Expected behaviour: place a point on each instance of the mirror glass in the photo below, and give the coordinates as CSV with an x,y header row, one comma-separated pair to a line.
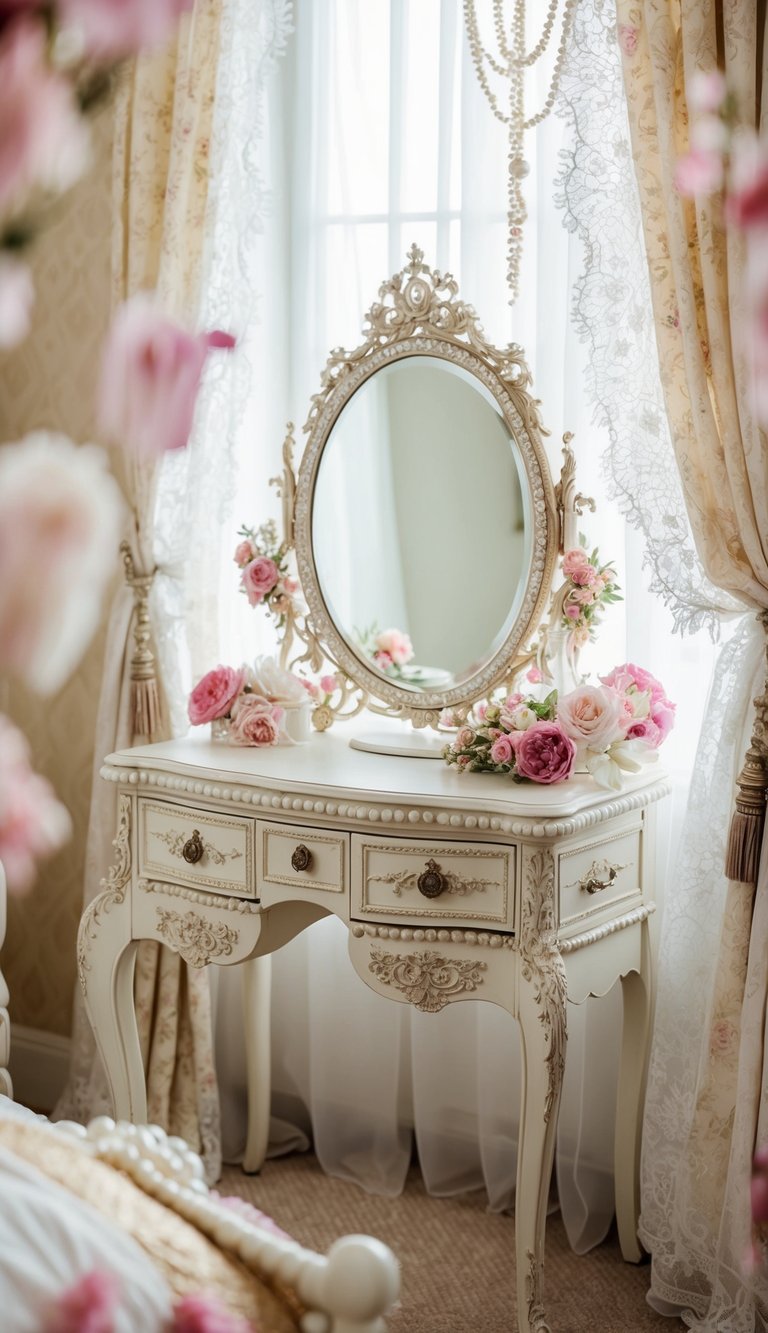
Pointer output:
x,y
421,529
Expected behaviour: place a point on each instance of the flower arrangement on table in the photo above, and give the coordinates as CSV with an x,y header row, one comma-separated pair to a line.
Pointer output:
x,y
265,578
255,704
610,728
389,649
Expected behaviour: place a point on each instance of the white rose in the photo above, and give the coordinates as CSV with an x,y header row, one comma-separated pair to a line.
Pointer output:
x,y
522,717
278,686
591,716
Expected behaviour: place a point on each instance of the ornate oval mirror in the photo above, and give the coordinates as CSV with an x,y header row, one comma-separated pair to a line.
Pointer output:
x,y
426,528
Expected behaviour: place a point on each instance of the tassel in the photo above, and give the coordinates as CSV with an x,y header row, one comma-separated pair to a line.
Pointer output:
x,y
145,695
745,836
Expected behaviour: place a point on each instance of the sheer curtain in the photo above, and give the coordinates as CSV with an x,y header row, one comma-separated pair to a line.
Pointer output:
x,y
378,136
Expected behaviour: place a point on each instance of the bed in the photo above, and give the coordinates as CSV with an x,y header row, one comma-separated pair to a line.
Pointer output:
x,y
130,1202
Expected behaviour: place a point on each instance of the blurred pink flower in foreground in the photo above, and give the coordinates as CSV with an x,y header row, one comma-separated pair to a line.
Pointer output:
x,y
17,294
60,515
150,376
206,1314
86,1307
43,138
122,27
33,823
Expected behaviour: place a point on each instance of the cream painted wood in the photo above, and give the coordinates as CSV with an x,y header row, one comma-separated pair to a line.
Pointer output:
x,y
564,927
6,1087
172,836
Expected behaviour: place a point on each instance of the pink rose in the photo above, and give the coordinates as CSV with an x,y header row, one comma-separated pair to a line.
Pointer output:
x,y
699,172
244,553
113,28
88,1306
259,578
585,576
627,38
502,750
645,729
574,560
43,138
328,684
33,823
585,596
572,611
396,644
291,586
150,375
383,661
17,294
591,716
721,1036
464,738
544,753
255,721
214,695
533,675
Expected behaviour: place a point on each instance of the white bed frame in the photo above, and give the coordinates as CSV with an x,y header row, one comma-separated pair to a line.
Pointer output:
x,y
349,1290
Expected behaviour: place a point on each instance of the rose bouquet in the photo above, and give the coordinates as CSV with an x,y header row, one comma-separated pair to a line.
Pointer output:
x,y
588,588
608,729
257,702
265,577
389,649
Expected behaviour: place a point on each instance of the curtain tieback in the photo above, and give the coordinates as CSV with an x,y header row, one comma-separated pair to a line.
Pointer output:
x,y
145,696
742,858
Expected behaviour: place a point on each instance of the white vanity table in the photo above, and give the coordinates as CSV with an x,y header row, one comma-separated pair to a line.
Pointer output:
x,y
452,888
424,492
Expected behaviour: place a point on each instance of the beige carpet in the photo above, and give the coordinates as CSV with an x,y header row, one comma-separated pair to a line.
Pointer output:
x,y
457,1259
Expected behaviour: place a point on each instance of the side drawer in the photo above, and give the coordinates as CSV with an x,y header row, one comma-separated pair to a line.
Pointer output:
x,y
291,857
442,882
601,874
226,863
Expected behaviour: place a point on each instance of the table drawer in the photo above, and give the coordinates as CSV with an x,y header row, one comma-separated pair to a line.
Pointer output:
x,y
438,882
305,858
224,845
603,873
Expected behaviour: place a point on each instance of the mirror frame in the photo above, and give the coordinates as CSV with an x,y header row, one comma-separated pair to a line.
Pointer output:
x,y
419,313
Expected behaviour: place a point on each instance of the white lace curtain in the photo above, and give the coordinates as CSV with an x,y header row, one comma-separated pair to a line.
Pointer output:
x,y
375,135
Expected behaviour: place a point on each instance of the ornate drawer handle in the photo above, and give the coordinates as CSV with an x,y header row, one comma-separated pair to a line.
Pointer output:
x,y
432,882
592,883
301,858
193,848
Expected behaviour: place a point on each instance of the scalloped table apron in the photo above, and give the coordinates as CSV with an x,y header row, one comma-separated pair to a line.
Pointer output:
x,y
453,887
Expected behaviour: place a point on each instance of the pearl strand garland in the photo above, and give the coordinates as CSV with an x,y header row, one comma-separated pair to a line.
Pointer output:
x,y
512,65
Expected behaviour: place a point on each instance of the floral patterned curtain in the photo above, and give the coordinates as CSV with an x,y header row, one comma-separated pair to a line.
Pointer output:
x,y
706,1106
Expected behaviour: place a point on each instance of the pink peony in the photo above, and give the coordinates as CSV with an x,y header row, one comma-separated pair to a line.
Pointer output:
x,y
88,1306
573,560
645,729
244,553
502,750
43,139
255,721
113,28
259,578
699,172
591,715
632,680
328,684
17,295
59,512
33,823
150,376
627,38
205,1314
214,695
544,753
396,644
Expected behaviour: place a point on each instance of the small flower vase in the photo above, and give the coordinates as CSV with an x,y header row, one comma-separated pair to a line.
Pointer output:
x,y
296,725
562,660
220,728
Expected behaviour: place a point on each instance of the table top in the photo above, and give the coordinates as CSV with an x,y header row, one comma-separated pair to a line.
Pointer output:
x,y
328,765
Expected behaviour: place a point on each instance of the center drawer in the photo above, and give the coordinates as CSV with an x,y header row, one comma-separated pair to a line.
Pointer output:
x,y
441,882
295,862
198,848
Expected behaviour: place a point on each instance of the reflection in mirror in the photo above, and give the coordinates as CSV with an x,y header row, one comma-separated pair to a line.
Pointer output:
x,y
421,524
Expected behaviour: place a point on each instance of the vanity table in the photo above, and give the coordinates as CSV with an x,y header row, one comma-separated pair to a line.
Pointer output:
x,y
424,500
452,890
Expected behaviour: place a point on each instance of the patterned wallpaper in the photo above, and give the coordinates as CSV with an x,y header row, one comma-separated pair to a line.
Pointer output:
x,y
49,381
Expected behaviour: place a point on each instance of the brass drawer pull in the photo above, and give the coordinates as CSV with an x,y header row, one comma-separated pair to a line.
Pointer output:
x,y
302,858
193,848
592,881
432,882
